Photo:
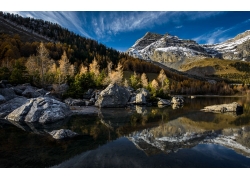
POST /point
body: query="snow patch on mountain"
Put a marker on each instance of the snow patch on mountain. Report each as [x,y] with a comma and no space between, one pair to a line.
[230,45]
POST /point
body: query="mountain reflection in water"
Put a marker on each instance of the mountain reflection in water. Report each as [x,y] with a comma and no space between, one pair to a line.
[136,137]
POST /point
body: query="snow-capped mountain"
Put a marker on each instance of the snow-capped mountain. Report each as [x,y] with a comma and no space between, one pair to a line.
[173,51]
[237,48]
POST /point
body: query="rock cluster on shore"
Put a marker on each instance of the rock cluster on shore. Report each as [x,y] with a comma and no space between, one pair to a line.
[27,104]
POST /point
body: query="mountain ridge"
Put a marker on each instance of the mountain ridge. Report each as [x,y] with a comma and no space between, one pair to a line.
[174,51]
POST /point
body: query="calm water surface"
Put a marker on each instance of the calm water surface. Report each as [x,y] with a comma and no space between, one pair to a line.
[162,137]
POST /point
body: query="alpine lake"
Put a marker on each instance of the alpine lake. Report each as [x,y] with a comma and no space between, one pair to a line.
[137,137]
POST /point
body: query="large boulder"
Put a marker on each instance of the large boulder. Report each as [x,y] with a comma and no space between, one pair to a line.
[62,134]
[113,96]
[30,92]
[232,107]
[11,105]
[41,109]
[8,93]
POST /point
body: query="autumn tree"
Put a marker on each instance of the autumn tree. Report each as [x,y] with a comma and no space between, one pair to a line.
[65,68]
[144,80]
[39,66]
[164,81]
[135,81]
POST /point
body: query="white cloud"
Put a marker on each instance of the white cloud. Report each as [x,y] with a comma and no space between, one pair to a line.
[66,19]
[112,23]
[219,34]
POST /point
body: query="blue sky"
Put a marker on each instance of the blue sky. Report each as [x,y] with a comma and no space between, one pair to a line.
[120,29]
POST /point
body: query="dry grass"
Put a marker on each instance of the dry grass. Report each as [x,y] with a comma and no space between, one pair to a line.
[220,66]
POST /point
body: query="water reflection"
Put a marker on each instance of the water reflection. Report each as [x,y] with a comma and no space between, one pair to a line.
[149,132]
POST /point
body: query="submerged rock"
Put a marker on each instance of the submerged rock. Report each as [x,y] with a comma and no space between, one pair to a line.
[62,134]
[41,109]
[113,96]
[233,107]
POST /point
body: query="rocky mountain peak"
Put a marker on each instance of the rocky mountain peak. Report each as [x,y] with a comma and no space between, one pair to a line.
[174,51]
[147,39]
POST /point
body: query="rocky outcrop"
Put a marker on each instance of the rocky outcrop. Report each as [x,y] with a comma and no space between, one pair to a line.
[232,107]
[62,134]
[11,105]
[113,96]
[42,110]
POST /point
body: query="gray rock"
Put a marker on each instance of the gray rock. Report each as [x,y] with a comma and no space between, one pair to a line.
[20,88]
[89,103]
[8,93]
[8,86]
[163,102]
[2,99]
[177,100]
[41,91]
[11,105]
[88,94]
[97,93]
[74,102]
[42,110]
[30,92]
[140,99]
[62,134]
[144,91]
[92,100]
[232,107]
[130,89]
[113,96]
[18,91]
[4,83]
[132,100]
